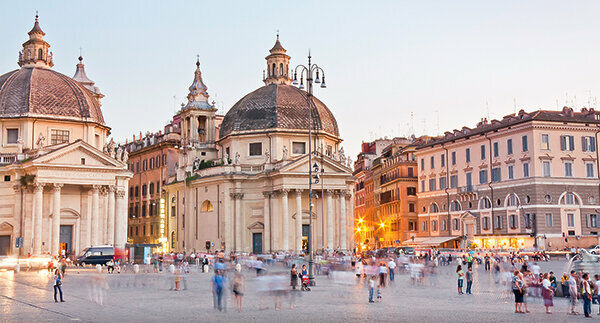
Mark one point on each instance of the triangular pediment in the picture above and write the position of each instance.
(78, 153)
(300, 165)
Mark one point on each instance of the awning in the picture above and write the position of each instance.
(429, 241)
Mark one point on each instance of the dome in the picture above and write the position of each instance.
(277, 106)
(44, 93)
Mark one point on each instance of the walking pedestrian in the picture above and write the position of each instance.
(587, 295)
(58, 285)
(382, 273)
(572, 282)
(517, 287)
(218, 282)
(547, 292)
(597, 283)
(371, 288)
(469, 276)
(238, 290)
(294, 277)
(460, 274)
(392, 266)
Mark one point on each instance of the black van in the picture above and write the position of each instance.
(96, 255)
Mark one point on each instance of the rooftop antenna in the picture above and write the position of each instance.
(80, 51)
(515, 105)
(174, 105)
(424, 125)
(487, 109)
(437, 126)
(574, 105)
(412, 123)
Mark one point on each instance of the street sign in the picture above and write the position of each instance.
(19, 242)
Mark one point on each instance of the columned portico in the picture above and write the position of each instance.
(110, 225)
(298, 221)
(267, 221)
(275, 222)
(330, 217)
(55, 241)
(121, 219)
(343, 224)
(285, 221)
(37, 218)
(95, 214)
(239, 221)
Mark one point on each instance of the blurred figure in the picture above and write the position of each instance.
(218, 283)
(547, 292)
(58, 285)
(460, 274)
(294, 277)
(238, 290)
(587, 295)
(392, 266)
(371, 288)
(469, 276)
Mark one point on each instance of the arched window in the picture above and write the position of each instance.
(433, 208)
(206, 206)
(40, 54)
(281, 69)
(569, 199)
(512, 200)
(485, 203)
(273, 71)
(455, 206)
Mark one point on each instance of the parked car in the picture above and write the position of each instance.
(96, 255)
(595, 250)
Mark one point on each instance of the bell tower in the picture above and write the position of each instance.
(35, 50)
(278, 61)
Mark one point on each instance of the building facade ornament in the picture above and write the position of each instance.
(57, 186)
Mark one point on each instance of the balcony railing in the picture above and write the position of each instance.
(7, 158)
(467, 189)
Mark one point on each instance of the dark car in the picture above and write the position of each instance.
(98, 255)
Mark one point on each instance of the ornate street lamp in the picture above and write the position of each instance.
(306, 73)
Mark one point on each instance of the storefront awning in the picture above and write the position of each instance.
(428, 241)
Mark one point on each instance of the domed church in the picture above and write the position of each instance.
(255, 197)
(62, 185)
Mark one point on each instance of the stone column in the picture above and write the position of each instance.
(56, 220)
(17, 217)
(330, 216)
(275, 222)
(266, 222)
(37, 218)
(110, 225)
(285, 222)
(121, 219)
(95, 215)
(298, 220)
(227, 222)
(103, 216)
(343, 217)
(239, 221)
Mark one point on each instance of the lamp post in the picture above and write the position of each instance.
(306, 72)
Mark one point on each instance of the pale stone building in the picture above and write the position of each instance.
(59, 190)
(255, 199)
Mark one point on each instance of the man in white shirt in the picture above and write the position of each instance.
(392, 266)
(573, 292)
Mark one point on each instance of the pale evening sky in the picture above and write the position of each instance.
(440, 60)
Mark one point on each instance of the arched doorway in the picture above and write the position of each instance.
(6, 231)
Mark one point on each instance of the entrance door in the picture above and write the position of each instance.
(305, 230)
(4, 245)
(66, 238)
(257, 243)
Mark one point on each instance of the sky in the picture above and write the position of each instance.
(393, 68)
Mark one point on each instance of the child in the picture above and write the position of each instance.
(371, 288)
(379, 298)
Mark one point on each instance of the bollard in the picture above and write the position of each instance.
(136, 268)
(99, 268)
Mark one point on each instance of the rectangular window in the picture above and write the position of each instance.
(511, 172)
(255, 149)
(512, 221)
(453, 181)
(589, 170)
(432, 162)
(593, 221)
(469, 179)
(482, 152)
(12, 136)
(483, 176)
(546, 169)
(422, 163)
(485, 223)
(496, 176)
(498, 222)
(298, 148)
(545, 141)
(443, 160)
(525, 170)
(59, 136)
(496, 149)
(411, 191)
(524, 143)
(567, 143)
(568, 169)
(411, 207)
(468, 155)
(588, 143)
(443, 183)
(443, 225)
(570, 220)
(432, 184)
(454, 158)
(549, 219)
(411, 172)
(424, 225)
(422, 186)
(509, 147)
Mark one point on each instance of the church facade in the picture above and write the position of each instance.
(63, 186)
(253, 195)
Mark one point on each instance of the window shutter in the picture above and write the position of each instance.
(587, 221)
(571, 143)
(592, 143)
(563, 142)
(584, 144)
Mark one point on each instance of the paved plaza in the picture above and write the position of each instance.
(28, 296)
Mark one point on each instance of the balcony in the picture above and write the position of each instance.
(6, 159)
(467, 189)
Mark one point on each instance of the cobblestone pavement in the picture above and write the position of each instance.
(28, 296)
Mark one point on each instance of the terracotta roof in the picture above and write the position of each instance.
(277, 106)
(40, 92)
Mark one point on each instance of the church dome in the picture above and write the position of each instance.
(44, 93)
(277, 106)
(35, 90)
